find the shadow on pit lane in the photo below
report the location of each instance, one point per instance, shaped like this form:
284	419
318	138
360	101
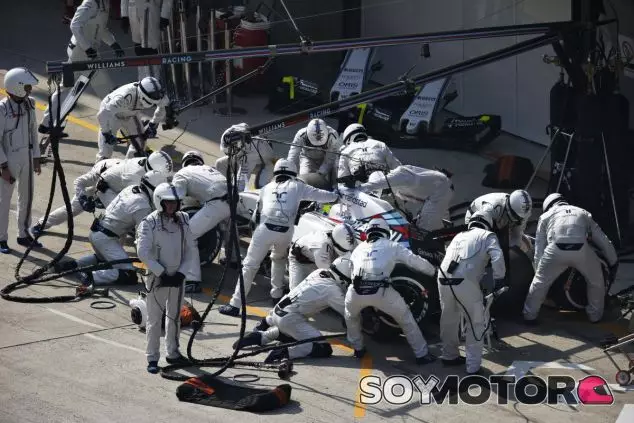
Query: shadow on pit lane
76	238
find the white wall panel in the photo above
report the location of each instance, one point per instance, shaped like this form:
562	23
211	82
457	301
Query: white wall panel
516	88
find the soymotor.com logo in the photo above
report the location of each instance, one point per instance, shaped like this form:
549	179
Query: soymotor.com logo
478	390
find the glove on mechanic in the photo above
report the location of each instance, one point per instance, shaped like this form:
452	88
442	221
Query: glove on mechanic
109	138
87	203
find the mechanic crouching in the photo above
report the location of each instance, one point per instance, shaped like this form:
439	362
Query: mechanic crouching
288	321
85	188
167	247
506	210
256	152
275	216
460	294
121	217
568	236
372	264
362	155
426	193
206	185
317	250
129	172
315	148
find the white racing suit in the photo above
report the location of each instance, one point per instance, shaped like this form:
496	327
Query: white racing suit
471	250
113	180
145	20
308	253
494	204
277	207
121	109
84	185
360	159
19	147
565	238
209	188
90	28
321	159
426	193
372	265
122	216
258	151
166	246
316	293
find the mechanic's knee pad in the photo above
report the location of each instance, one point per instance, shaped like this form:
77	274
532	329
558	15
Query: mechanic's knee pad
127	277
321	350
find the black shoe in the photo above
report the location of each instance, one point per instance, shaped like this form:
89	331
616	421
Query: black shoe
276	356
426	359
360	353
65	266
4	247
229	310
262	325
251	338
43	129
179	359
459	361
28	240
37	230
152	367
86	278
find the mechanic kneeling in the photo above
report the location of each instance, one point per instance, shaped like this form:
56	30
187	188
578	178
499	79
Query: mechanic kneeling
459	288
567	236
166	245
323	288
122	216
317	250
372	264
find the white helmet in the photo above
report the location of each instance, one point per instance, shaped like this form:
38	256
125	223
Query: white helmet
192	157
481	220
343	238
152	179
19	82
226	140
161	161
519	205
317	132
165	191
339	211
341	269
379	227
354	133
285	167
150	91
551	200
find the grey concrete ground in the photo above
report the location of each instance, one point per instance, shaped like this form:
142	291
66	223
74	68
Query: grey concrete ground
69	362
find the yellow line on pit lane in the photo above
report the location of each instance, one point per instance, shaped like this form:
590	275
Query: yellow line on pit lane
70	118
